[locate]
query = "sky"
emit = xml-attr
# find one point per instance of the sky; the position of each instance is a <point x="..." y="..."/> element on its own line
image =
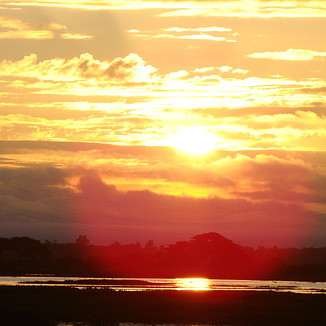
<point x="159" y="120"/>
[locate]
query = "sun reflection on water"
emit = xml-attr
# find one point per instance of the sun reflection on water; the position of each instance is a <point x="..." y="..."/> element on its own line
<point x="196" y="284"/>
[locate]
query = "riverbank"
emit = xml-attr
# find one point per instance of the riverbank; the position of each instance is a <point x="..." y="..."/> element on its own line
<point x="44" y="306"/>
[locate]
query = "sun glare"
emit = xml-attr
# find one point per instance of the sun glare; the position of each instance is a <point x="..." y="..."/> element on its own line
<point x="196" y="284"/>
<point x="193" y="140"/>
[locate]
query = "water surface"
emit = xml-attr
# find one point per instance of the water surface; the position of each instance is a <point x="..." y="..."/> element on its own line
<point x="176" y="284"/>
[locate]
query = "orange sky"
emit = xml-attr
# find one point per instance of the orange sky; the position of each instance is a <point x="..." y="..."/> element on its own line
<point x="138" y="120"/>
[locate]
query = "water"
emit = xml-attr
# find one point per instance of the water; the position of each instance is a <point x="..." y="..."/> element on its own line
<point x="180" y="284"/>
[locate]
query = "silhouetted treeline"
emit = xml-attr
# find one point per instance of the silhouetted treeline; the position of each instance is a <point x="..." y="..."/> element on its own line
<point x="207" y="255"/>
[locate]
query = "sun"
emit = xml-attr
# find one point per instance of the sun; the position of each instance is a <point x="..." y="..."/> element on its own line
<point x="195" y="284"/>
<point x="193" y="140"/>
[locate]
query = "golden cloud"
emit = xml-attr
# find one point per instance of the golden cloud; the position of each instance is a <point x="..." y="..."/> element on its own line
<point x="250" y="8"/>
<point x="132" y="68"/>
<point x="290" y="54"/>
<point x="199" y="29"/>
<point x="199" y="33"/>
<point x="126" y="101"/>
<point x="16" y="29"/>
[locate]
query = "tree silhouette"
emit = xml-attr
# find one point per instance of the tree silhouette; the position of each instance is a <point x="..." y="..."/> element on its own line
<point x="82" y="241"/>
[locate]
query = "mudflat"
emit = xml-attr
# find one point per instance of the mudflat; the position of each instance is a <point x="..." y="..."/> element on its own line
<point x="47" y="305"/>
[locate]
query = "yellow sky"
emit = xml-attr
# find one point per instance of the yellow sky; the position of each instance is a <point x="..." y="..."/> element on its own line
<point x="182" y="116"/>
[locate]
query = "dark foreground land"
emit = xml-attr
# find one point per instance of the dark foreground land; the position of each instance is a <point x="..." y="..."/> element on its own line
<point x="43" y="306"/>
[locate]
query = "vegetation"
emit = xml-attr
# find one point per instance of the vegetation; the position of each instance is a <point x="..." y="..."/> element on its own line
<point x="206" y="255"/>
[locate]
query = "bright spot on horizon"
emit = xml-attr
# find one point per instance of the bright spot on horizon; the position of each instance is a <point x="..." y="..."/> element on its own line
<point x="193" y="140"/>
<point x="196" y="284"/>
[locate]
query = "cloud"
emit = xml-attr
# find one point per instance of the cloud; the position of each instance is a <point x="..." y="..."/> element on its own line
<point x="193" y="37"/>
<point x="203" y="37"/>
<point x="17" y="29"/>
<point x="75" y="109"/>
<point x="126" y="101"/>
<point x="160" y="169"/>
<point x="199" y="33"/>
<point x="288" y="179"/>
<point x="132" y="68"/>
<point x="267" y="195"/>
<point x="290" y="54"/>
<point x="204" y="70"/>
<point x="222" y="69"/>
<point x="199" y="29"/>
<point x="314" y="90"/>
<point x="253" y="8"/>
<point x="176" y="8"/>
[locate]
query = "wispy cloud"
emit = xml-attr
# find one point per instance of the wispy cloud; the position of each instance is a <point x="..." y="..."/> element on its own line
<point x="13" y="28"/>
<point x="251" y="8"/>
<point x="193" y="37"/>
<point x="199" y="29"/>
<point x="177" y="8"/>
<point x="183" y="33"/>
<point x="290" y="54"/>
